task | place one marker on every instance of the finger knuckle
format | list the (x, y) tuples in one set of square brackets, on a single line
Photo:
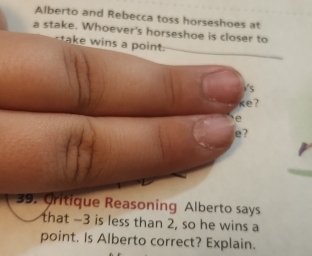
[(171, 90), (164, 143), (79, 153), (81, 77)]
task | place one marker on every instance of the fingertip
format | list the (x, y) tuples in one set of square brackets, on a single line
[(3, 21), (225, 86), (215, 132)]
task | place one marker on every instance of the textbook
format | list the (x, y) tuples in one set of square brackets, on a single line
[(254, 200)]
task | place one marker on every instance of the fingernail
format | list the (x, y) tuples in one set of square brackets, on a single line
[(215, 132), (225, 87)]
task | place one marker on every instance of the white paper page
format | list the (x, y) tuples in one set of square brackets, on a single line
[(254, 200)]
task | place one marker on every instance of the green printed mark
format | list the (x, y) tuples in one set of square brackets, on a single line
[(306, 173)]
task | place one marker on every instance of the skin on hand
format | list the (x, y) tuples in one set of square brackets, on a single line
[(74, 116)]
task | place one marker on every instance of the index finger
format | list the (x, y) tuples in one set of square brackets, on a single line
[(47, 75)]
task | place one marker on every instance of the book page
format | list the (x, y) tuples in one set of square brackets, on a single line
[(254, 200)]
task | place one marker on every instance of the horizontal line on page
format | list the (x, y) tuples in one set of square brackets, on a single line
[(226, 54)]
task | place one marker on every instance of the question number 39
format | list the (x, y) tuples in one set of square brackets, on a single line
[(25, 198)]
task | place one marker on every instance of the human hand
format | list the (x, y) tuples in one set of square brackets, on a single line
[(75, 117)]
